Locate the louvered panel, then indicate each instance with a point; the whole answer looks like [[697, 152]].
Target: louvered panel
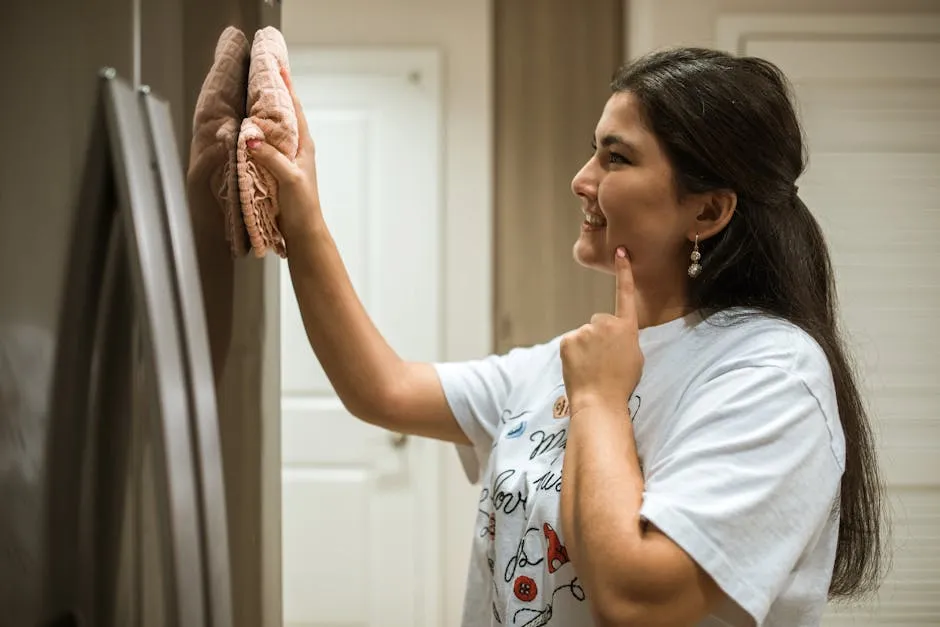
[[881, 215], [908, 597], [880, 116], [874, 184]]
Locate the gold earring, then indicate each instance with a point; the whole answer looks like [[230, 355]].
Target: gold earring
[[695, 268]]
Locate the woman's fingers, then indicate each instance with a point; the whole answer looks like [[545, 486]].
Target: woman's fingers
[[266, 155], [625, 303], [306, 141]]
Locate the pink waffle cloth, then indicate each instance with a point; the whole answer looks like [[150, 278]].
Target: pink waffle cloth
[[219, 112], [270, 117]]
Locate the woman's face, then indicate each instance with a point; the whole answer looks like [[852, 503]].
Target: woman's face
[[628, 198]]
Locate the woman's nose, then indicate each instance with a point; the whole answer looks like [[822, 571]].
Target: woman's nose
[[584, 183]]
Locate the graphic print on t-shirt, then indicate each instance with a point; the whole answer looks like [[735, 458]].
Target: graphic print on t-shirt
[[519, 504], [519, 515], [556, 553], [543, 616]]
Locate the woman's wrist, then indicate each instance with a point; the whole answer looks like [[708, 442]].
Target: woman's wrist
[[297, 228], [606, 401]]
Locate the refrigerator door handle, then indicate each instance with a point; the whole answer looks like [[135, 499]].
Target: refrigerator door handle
[[140, 200], [196, 358]]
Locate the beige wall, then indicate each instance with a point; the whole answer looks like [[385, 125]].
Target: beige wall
[[653, 24], [460, 29], [553, 63]]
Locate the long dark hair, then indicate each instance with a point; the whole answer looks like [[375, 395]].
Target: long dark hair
[[728, 122]]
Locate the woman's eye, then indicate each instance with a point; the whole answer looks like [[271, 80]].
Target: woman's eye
[[616, 157]]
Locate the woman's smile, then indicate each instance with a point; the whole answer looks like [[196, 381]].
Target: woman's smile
[[594, 220]]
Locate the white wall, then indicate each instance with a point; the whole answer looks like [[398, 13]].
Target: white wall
[[652, 24], [461, 30]]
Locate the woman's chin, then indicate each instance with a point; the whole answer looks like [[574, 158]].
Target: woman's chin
[[593, 255]]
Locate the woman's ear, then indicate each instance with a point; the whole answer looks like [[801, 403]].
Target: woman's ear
[[715, 211]]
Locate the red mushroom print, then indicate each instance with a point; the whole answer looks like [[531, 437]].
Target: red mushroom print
[[525, 588], [556, 552]]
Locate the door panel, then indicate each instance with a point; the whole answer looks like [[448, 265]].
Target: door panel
[[359, 503]]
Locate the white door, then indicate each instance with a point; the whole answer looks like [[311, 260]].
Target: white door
[[360, 504], [869, 92]]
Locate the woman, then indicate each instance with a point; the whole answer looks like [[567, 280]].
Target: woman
[[717, 461]]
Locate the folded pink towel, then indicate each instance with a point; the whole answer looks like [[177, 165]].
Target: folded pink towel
[[219, 112], [271, 117], [245, 81]]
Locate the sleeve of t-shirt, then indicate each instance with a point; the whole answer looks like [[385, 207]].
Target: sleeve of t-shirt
[[478, 391], [746, 479]]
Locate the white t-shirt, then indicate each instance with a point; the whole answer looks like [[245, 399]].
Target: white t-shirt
[[742, 453]]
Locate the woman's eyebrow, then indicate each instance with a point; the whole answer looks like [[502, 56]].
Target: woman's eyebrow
[[610, 140], [616, 140]]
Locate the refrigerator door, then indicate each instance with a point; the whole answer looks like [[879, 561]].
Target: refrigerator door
[[94, 485], [149, 546], [52, 50]]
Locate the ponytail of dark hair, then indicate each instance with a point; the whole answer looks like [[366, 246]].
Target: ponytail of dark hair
[[729, 123]]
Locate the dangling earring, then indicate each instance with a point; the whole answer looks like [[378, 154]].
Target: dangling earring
[[695, 268]]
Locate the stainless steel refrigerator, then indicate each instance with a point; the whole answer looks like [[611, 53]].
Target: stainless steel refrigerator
[[117, 496]]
